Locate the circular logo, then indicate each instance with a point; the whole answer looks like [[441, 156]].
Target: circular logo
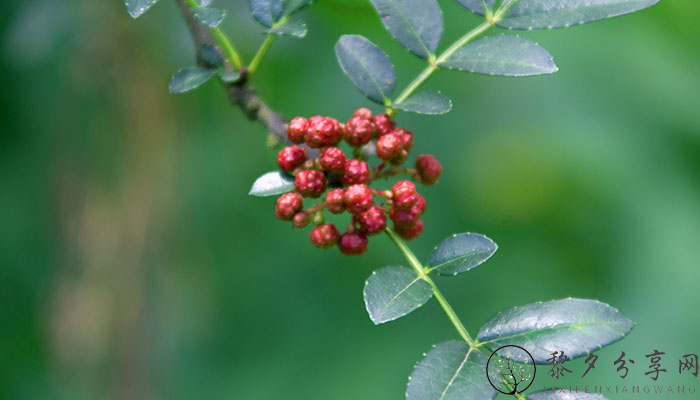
[[511, 370]]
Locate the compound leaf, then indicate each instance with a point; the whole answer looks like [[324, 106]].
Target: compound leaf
[[416, 24], [432, 103], [266, 12], [211, 17], [450, 371], [392, 292], [295, 28], [460, 253], [477, 6], [367, 66], [574, 326], [272, 183], [503, 55], [136, 8], [190, 78], [292, 6], [539, 14], [553, 395]]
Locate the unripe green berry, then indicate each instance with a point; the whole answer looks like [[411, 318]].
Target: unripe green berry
[[318, 218]]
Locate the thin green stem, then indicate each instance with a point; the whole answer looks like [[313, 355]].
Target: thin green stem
[[420, 270], [468, 37], [265, 46], [434, 66], [260, 53], [434, 63], [229, 49]]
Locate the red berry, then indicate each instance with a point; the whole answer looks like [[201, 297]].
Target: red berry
[[384, 124], [403, 188], [291, 157], [406, 201], [429, 169], [406, 137], [324, 236], [358, 198], [296, 130], [355, 172], [301, 219], [363, 113], [335, 201], [358, 131], [412, 232], [332, 159], [372, 221], [353, 243], [420, 205], [288, 205], [312, 123], [322, 132], [403, 155], [389, 147], [404, 219], [310, 183]]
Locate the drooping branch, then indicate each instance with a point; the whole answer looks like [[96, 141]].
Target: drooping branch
[[240, 93]]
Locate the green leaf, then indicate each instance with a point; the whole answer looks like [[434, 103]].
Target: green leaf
[[292, 6], [190, 78], [563, 396], [539, 14], [136, 8], [450, 371], [416, 24], [574, 326], [433, 103], [211, 55], [211, 17], [460, 253], [367, 66], [392, 292], [203, 3], [229, 76], [478, 5], [266, 12], [272, 183], [503, 55], [293, 28]]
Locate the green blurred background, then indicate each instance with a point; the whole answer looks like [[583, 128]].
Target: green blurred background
[[135, 266]]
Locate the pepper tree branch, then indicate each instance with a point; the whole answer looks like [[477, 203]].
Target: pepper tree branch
[[240, 93]]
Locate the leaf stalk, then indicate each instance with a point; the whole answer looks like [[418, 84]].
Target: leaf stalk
[[420, 270], [430, 69], [225, 43]]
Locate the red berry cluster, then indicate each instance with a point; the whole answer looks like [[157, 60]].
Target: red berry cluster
[[349, 179]]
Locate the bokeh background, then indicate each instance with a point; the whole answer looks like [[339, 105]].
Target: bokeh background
[[135, 266]]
